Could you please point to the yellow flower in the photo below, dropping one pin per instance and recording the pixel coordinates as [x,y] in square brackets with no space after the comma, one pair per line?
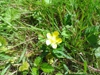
[53,39]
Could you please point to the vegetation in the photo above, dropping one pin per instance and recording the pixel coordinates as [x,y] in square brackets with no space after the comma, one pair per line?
[49,37]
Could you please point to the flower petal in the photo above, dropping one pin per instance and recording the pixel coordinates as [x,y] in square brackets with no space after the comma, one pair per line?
[48,42]
[55,33]
[54,46]
[58,40]
[49,35]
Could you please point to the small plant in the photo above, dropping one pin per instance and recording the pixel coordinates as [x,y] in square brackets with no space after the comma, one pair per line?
[49,37]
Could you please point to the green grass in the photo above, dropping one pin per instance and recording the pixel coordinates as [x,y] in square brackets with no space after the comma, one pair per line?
[23,28]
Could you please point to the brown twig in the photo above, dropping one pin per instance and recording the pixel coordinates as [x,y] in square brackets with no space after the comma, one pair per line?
[90,67]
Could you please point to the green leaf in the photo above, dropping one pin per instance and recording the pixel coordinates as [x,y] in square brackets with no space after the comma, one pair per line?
[98,62]
[85,66]
[5,70]
[60,54]
[22,55]
[92,39]
[0,44]
[67,19]
[98,42]
[3,41]
[68,31]
[11,14]
[24,66]
[65,34]
[47,68]
[3,49]
[66,68]
[92,29]
[59,73]
[37,61]
[35,71]
[47,1]
[97,52]
[4,56]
